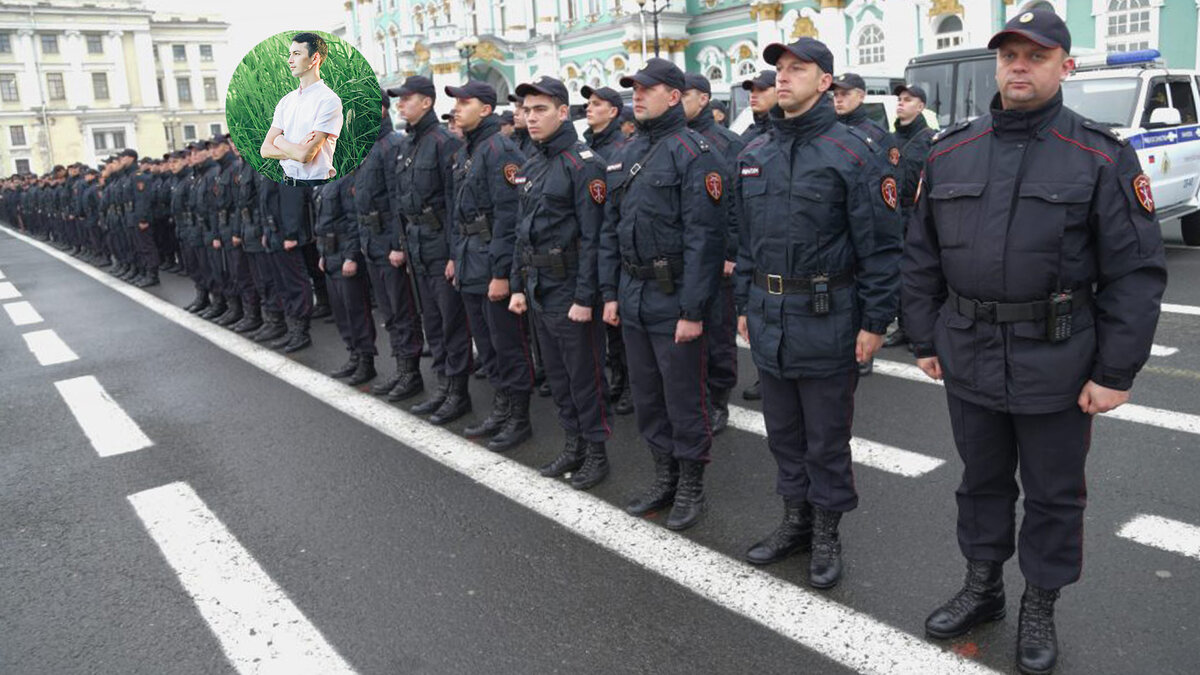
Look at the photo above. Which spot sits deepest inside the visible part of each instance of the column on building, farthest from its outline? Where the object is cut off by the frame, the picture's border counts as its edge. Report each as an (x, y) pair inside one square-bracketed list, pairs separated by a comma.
[(77, 82), (28, 85), (143, 50), (831, 24), (196, 79), (167, 60), (766, 15), (119, 86), (445, 74), (678, 52)]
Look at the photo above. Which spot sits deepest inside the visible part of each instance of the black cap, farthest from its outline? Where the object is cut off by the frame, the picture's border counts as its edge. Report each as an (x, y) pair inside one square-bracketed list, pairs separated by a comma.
[(627, 114), (129, 153), (605, 93), (513, 98), (1041, 26), (474, 89), (506, 117), (220, 138), (698, 82), (912, 89), (849, 81), (765, 80), (414, 84), (546, 86), (656, 71), (718, 104), (805, 49)]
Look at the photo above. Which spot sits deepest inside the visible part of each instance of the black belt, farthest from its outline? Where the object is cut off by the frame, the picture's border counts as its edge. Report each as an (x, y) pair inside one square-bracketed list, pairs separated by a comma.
[(428, 218), (1008, 312), (313, 182), (551, 259), (371, 220), (780, 285), (478, 226), (647, 272)]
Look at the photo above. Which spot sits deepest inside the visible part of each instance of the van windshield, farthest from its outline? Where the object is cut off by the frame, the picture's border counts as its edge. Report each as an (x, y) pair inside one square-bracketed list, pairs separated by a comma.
[(1109, 101), (937, 81)]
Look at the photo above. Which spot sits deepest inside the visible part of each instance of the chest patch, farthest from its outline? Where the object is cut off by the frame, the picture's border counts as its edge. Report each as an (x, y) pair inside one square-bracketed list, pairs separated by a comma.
[(750, 171)]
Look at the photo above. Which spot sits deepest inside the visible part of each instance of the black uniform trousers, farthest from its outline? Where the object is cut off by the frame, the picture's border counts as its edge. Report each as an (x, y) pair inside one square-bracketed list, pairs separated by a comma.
[(401, 316), (720, 327), (573, 360), (240, 282), (1050, 451), (503, 343), (808, 423), (263, 278), (350, 302), (669, 383), (292, 282), (195, 261), (445, 321), (218, 270), (147, 251)]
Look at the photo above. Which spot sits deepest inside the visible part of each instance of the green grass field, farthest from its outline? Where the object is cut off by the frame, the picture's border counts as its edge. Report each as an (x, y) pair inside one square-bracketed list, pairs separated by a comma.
[(262, 78)]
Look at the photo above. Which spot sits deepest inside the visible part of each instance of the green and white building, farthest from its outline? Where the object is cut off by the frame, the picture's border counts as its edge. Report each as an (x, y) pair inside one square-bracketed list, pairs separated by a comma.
[(595, 42)]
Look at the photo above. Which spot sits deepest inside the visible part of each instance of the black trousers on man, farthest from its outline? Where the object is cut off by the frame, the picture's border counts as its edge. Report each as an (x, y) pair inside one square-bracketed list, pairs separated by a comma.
[(395, 301), (720, 328), (195, 261), (669, 383), (1050, 451), (502, 341), (240, 281), (349, 298), (444, 319), (573, 360)]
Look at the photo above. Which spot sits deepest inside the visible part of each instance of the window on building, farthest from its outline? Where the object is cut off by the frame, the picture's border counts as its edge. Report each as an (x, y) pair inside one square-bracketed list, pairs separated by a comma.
[(22, 166), (16, 135), (55, 90), (210, 89), (715, 74), (179, 53), (100, 140), (161, 96), (8, 88), (5, 43), (950, 32), (154, 50), (109, 139), (189, 132), (214, 128), (95, 43), (1129, 25), (49, 44), (100, 86), (396, 52), (206, 53), (870, 45), (183, 87)]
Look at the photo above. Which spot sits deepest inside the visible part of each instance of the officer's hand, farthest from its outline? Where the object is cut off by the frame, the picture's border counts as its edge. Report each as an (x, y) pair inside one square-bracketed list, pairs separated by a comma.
[(931, 366), (868, 343), (396, 258), (349, 268), (237, 241), (686, 331), (450, 271), (216, 243), (516, 304), (1095, 399), (289, 244), (728, 271), (143, 225), (321, 263), (498, 290), (579, 313), (744, 328), (611, 316)]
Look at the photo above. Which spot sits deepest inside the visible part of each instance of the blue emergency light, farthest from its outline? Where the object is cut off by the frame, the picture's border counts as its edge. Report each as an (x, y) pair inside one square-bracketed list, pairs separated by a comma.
[(1139, 56)]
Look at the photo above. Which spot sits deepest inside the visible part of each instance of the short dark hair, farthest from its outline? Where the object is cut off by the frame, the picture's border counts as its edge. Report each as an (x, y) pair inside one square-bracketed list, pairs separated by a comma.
[(316, 44)]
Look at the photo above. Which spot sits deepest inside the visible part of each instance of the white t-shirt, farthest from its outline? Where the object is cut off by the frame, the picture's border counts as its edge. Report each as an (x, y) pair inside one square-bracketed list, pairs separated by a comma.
[(308, 109)]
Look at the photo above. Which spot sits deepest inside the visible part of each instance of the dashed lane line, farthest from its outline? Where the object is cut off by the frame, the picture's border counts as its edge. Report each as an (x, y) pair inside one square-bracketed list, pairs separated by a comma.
[(48, 348), (8, 291), (22, 313), (1163, 533), (110, 430)]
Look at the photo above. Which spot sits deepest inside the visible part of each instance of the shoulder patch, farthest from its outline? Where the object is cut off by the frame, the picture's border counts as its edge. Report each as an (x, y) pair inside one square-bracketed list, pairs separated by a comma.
[(950, 131), (1141, 190), (1104, 131), (714, 186), (586, 154), (887, 189), (598, 190), (141, 185), (510, 173)]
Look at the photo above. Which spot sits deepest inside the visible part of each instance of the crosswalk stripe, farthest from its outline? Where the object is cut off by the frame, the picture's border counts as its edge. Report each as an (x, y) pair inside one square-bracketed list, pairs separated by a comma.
[(22, 313), (48, 347), (8, 291), (110, 430), (1160, 350), (1169, 535)]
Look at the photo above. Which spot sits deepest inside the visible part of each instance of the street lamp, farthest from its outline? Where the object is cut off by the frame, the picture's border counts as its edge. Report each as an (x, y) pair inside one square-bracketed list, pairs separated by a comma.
[(466, 49), (654, 16)]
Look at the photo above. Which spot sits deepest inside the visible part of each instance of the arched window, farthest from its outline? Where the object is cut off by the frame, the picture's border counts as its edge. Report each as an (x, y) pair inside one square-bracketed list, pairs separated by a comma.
[(1129, 25), (950, 32), (419, 18), (713, 64), (870, 45)]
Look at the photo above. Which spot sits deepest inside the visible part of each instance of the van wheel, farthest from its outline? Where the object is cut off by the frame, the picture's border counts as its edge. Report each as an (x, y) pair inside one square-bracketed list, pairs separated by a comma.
[(1189, 226)]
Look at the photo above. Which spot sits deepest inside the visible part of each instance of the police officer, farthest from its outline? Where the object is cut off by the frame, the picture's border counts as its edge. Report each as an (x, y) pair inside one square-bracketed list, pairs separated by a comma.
[(421, 195), (246, 245), (210, 202), (605, 138), (817, 287), (181, 212), (562, 192), (914, 138), (720, 324), (142, 193), (1033, 275), (663, 246), (763, 100), (520, 133), (266, 231), (484, 215), (239, 286), (342, 260)]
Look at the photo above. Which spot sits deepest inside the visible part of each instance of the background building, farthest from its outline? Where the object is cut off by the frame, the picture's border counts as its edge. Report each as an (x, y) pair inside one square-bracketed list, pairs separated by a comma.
[(596, 41), (82, 80)]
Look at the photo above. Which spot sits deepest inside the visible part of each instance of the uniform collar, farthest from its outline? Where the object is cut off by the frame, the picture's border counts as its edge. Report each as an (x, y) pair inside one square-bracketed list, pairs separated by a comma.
[(809, 125), (854, 117), (1024, 123), (703, 121), (563, 139), (665, 124), (423, 125), (593, 139), (913, 127), (488, 127), (521, 136)]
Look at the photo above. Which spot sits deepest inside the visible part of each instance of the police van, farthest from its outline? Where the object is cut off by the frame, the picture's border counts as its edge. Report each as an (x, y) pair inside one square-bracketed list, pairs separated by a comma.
[(1151, 106)]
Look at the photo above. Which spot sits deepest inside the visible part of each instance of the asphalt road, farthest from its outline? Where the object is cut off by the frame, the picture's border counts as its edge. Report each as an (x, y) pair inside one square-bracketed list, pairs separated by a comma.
[(404, 564)]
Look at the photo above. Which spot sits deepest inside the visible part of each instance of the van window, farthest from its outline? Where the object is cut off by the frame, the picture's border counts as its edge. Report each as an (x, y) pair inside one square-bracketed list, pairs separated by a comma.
[(1183, 100), (1156, 97)]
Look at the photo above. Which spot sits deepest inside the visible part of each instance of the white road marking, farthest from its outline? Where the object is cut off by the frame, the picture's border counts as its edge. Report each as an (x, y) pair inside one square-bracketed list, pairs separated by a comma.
[(259, 627), (22, 313), (1169, 535), (838, 632), (1, 274), (48, 347), (1181, 309), (1160, 350), (868, 453), (8, 291), (111, 431)]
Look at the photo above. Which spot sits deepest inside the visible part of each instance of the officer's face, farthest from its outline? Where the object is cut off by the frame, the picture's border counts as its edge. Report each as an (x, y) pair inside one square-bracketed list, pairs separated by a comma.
[(799, 84), (519, 115), (909, 107), (762, 100), (652, 102), (694, 101), (628, 128), (1027, 74), (846, 101), (600, 113), (718, 116), (413, 107), (543, 116), (469, 112)]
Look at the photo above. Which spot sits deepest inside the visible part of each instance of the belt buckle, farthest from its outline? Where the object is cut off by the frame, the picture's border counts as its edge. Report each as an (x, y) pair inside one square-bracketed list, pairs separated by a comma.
[(777, 280), (986, 311)]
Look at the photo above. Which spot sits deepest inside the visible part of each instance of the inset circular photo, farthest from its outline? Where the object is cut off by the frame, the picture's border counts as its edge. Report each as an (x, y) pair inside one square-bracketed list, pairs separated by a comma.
[(303, 105)]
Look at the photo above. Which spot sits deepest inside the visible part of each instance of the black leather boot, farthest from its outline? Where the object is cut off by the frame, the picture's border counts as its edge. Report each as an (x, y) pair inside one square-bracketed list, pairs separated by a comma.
[(435, 401), (365, 372), (793, 534), (620, 378), (981, 600), (753, 392), (1037, 641), (456, 404), (217, 308), (595, 466), (689, 496), (346, 369), (825, 566), (409, 382), (273, 328), (661, 492), (251, 321), (300, 338), (624, 404), (199, 302), (384, 386), (495, 419), (516, 429), (150, 279), (720, 410), (570, 459), (321, 309), (233, 315), (287, 336)]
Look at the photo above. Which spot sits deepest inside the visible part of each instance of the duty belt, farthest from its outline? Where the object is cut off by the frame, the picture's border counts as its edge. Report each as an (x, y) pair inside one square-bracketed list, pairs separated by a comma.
[(478, 226), (776, 284), (245, 214), (647, 272), (556, 260), (428, 218), (129, 206), (1011, 312), (330, 242), (222, 218), (371, 221)]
